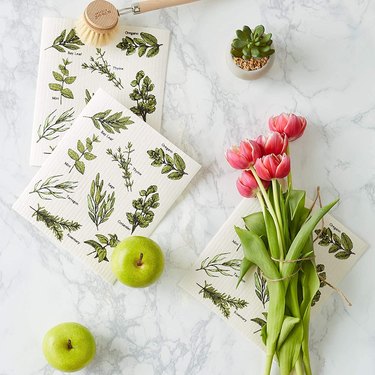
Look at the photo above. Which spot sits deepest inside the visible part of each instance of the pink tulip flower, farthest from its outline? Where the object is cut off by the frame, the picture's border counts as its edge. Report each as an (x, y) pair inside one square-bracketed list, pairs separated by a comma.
[(236, 159), (273, 166), (275, 143), (244, 156), (251, 150), (289, 124), (248, 186)]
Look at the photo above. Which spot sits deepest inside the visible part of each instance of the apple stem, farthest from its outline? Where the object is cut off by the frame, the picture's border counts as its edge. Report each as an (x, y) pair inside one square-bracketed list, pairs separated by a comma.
[(139, 262), (70, 346)]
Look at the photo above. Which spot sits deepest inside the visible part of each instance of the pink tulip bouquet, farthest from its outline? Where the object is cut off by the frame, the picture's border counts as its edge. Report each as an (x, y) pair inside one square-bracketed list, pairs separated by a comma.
[(278, 240)]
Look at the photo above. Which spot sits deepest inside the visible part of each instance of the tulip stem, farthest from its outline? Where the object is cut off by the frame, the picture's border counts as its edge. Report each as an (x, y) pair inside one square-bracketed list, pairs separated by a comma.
[(290, 179), (271, 210), (276, 200)]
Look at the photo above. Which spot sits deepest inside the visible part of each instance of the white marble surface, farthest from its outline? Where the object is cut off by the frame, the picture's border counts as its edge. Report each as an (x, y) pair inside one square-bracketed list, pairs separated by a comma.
[(324, 69)]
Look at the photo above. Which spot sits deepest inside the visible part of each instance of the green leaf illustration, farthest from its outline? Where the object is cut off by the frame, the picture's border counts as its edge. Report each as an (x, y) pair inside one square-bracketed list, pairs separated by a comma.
[(320, 269), (146, 43), (174, 166), (342, 255), (69, 42), (89, 156), (80, 146), (54, 125), (143, 214), (261, 288), (84, 151), (80, 166), (152, 52), (58, 76), (341, 246), (53, 187), (101, 66), (100, 248), (219, 265), (100, 204), (123, 159), (149, 38), (55, 86), (222, 300), (346, 242), (69, 80), (67, 93), (73, 154), (111, 123), (64, 79), (54, 223), (145, 102)]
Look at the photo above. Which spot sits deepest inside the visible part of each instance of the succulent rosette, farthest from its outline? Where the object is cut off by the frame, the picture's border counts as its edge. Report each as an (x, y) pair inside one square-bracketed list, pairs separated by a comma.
[(278, 240)]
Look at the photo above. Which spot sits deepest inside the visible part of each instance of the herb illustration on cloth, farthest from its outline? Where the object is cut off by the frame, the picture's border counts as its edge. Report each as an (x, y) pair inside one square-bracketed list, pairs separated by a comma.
[(132, 69), (99, 187), (213, 279)]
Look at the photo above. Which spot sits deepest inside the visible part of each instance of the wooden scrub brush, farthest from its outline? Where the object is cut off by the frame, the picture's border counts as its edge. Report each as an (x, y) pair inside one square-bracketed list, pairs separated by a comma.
[(99, 23)]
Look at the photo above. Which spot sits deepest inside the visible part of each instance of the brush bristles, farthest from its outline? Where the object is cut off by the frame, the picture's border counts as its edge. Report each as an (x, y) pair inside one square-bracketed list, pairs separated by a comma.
[(92, 37)]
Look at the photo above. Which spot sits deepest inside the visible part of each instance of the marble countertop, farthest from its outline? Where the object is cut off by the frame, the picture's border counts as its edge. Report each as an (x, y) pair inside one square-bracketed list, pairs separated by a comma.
[(324, 69)]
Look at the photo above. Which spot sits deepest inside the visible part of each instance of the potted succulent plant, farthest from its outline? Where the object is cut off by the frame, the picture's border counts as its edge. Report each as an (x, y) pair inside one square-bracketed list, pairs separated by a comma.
[(251, 54)]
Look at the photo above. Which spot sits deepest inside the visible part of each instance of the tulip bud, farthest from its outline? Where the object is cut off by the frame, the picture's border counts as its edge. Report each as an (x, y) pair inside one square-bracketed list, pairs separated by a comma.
[(289, 124), (275, 143), (248, 186), (273, 166)]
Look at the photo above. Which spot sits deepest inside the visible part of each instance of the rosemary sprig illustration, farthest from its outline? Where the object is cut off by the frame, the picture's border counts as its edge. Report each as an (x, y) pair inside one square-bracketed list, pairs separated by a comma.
[(340, 246), (100, 65), (99, 203), (51, 187), (70, 41), (320, 269), (53, 126), (146, 43), (100, 248), (222, 300), (261, 288), (143, 214), (111, 123), (218, 265), (145, 102), (88, 96), (175, 166), (55, 223), (63, 78), (123, 159), (83, 151)]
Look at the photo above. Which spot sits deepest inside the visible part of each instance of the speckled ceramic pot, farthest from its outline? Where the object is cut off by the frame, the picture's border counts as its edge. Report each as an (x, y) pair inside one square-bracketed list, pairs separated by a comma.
[(249, 74)]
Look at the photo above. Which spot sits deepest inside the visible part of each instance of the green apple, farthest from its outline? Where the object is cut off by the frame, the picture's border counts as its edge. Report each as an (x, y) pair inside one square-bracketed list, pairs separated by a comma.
[(137, 261), (69, 347)]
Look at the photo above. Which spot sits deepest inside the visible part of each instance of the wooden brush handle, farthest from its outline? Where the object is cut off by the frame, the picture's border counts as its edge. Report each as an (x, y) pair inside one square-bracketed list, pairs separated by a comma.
[(149, 5)]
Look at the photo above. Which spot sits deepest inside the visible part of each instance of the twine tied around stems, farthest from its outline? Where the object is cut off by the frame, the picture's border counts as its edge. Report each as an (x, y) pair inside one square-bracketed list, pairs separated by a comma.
[(293, 260), (284, 278), (337, 290)]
